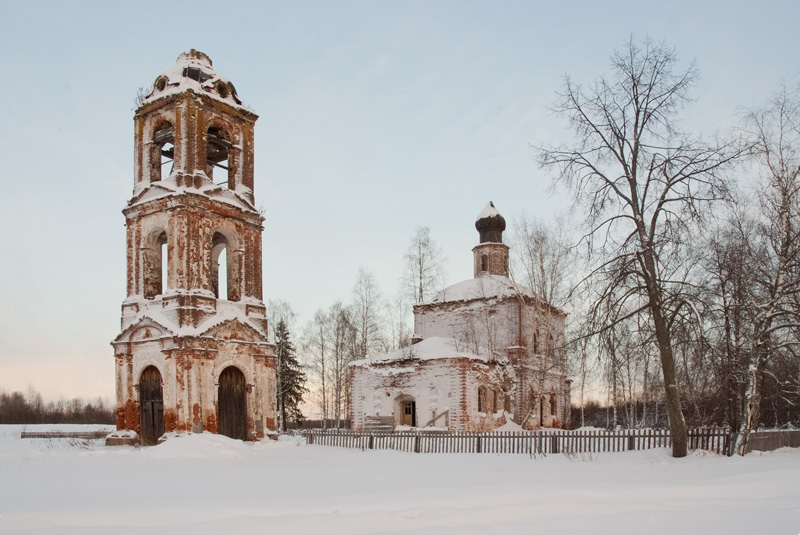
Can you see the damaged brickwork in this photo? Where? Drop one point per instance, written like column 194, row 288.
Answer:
column 192, row 207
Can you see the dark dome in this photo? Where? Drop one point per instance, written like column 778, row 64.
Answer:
column 490, row 225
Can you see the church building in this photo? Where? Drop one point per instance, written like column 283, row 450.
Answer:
column 193, row 352
column 487, row 352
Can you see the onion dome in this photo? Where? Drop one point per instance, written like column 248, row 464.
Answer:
column 193, row 71
column 490, row 225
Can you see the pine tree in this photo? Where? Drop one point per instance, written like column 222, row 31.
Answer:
column 290, row 378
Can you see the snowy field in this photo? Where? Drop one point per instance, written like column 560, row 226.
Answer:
column 210, row 484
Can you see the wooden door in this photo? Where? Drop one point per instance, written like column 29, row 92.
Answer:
column 232, row 404
column 151, row 406
column 409, row 413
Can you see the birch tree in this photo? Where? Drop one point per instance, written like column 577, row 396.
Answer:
column 541, row 259
column 641, row 183
column 318, row 354
column 424, row 266
column 774, row 131
column 367, row 309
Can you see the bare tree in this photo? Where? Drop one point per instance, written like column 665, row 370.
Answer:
column 367, row 310
column 398, row 312
column 318, row 354
column 728, row 282
column 277, row 310
column 642, row 182
column 774, row 131
column 424, row 266
column 342, row 341
column 541, row 257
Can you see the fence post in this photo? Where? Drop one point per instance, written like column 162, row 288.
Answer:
column 631, row 442
column 370, row 441
column 478, row 444
column 416, row 443
column 554, row 443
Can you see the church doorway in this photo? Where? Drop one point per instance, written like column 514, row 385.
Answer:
column 151, row 406
column 232, row 404
column 409, row 413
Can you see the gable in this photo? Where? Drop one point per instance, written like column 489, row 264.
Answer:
column 234, row 330
column 144, row 329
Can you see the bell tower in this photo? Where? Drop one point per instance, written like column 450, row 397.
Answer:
column 194, row 319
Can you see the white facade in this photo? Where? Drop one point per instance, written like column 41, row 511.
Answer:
column 488, row 352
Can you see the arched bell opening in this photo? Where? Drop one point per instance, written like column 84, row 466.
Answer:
column 218, row 157
column 162, row 152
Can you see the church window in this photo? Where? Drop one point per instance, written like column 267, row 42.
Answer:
column 164, row 262
column 155, row 263
column 484, row 262
column 552, row 404
column 482, row 399
column 223, row 284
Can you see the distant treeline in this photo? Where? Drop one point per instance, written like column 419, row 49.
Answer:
column 706, row 413
column 30, row 408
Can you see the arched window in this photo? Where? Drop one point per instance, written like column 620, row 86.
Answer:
column 219, row 265
column 162, row 151
column 482, row 399
column 484, row 262
column 225, row 273
column 162, row 242
column 155, row 262
column 218, row 147
column 552, row 404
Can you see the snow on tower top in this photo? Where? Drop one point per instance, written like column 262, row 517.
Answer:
column 193, row 70
column 490, row 224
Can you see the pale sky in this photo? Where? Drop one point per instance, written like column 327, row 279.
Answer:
column 375, row 118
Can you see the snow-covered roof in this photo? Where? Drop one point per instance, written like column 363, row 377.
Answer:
column 169, row 187
column 226, row 312
column 483, row 286
column 193, row 71
column 432, row 348
column 489, row 211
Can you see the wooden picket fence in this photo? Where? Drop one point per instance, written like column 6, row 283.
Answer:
column 714, row 439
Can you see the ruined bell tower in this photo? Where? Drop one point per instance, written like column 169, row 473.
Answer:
column 193, row 354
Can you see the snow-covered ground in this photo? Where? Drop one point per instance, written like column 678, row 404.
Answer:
column 210, row 484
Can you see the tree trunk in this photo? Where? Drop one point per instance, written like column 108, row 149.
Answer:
column 751, row 408
column 677, row 424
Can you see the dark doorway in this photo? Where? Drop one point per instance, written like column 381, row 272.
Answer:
column 410, row 413
column 151, row 406
column 232, row 419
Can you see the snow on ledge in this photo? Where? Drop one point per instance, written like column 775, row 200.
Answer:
column 432, row 348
